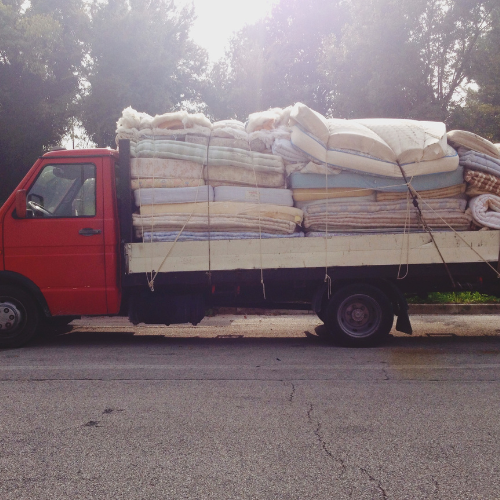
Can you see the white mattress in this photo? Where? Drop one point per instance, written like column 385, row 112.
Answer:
column 282, row 197
column 157, row 196
column 462, row 138
column 354, row 160
column 391, row 140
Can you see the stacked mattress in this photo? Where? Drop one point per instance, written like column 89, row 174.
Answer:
column 363, row 175
column 481, row 160
column 194, row 180
column 286, row 172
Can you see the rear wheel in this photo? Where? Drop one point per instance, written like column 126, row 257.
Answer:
column 359, row 315
column 19, row 317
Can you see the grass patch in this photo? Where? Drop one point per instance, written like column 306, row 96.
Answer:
column 455, row 298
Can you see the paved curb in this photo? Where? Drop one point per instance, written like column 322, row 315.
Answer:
column 470, row 309
column 454, row 309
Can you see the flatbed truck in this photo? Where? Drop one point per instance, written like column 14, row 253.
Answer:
column 67, row 249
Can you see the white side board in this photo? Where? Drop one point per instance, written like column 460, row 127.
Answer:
column 349, row 250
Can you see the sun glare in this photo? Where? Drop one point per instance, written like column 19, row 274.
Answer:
column 217, row 20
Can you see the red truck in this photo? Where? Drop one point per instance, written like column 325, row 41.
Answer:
column 67, row 249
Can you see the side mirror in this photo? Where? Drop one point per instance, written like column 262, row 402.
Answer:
column 21, row 203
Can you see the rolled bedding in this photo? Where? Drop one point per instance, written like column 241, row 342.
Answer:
column 485, row 210
column 481, row 182
column 158, row 196
column 282, row 197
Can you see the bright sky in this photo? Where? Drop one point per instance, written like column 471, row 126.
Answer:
column 217, row 20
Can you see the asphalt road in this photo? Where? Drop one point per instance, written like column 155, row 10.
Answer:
column 252, row 408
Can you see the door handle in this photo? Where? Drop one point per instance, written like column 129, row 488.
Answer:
column 88, row 231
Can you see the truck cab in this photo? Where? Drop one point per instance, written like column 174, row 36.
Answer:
column 59, row 243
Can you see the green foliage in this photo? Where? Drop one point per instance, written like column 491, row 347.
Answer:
column 141, row 56
column 481, row 113
column 405, row 59
column 41, row 50
column 276, row 61
column 455, row 298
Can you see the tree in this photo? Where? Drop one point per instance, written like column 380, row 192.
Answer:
column 41, row 49
column 481, row 111
column 406, row 59
column 141, row 56
column 276, row 61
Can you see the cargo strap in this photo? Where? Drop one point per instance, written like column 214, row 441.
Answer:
column 422, row 220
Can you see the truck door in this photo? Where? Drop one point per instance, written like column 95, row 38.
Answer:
column 60, row 245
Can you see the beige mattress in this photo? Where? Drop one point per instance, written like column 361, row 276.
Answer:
column 220, row 175
column 190, row 222
column 310, row 194
column 143, row 168
column 165, row 183
column 226, row 208
column 472, row 141
column 446, row 192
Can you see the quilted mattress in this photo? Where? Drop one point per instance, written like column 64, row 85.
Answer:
column 226, row 208
column 363, row 162
column 310, row 194
column 177, row 150
column 390, row 215
column 212, row 235
column 165, row 183
column 157, row 196
column 347, row 179
column 479, row 161
column 273, row 196
column 158, row 168
column 220, row 175
column 200, row 222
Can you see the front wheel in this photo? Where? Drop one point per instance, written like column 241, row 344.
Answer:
column 359, row 315
column 19, row 317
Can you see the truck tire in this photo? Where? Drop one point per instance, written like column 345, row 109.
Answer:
column 359, row 315
column 19, row 317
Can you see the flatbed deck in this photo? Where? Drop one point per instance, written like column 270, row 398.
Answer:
column 301, row 253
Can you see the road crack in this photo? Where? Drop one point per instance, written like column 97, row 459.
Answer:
column 317, row 432
column 292, row 394
column 378, row 482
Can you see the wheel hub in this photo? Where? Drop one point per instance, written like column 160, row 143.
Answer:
column 10, row 317
column 357, row 314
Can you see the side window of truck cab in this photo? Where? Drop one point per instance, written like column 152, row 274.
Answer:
column 63, row 191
